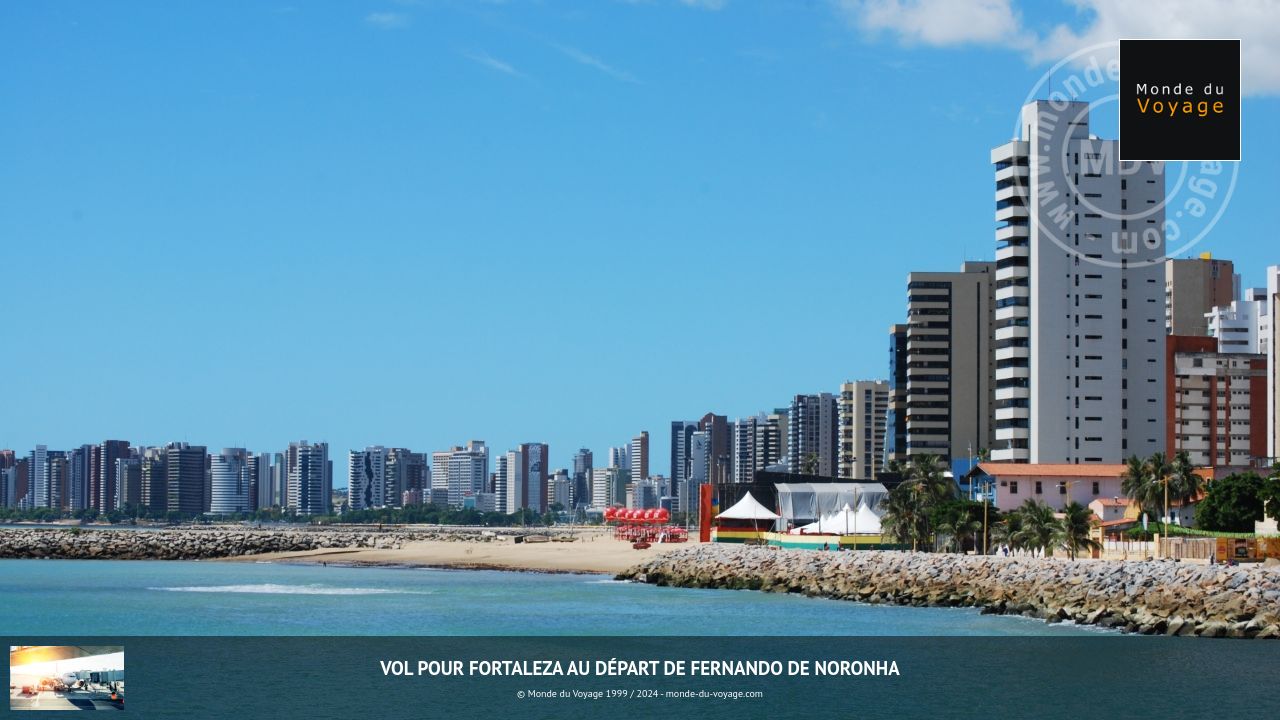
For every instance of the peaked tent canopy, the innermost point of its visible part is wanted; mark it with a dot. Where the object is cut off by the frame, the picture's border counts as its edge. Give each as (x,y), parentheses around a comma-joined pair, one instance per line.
(748,508)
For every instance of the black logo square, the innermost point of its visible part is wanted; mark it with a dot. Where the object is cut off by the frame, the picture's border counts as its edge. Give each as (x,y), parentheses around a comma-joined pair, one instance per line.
(1179,100)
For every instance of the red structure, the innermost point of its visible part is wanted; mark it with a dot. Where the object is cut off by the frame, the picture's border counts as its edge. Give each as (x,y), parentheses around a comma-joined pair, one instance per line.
(648,526)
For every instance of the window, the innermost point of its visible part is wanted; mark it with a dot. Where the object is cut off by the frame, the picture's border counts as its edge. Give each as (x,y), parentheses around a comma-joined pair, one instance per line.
(1013,487)
(1095,487)
(1039,488)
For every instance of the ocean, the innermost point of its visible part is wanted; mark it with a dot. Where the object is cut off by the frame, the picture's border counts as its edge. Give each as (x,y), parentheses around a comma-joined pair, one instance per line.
(168,598)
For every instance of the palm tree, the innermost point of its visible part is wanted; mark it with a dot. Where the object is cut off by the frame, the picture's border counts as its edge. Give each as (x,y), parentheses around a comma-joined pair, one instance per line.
(961,526)
(1039,526)
(1182,482)
(1143,482)
(1008,531)
(1074,528)
(900,518)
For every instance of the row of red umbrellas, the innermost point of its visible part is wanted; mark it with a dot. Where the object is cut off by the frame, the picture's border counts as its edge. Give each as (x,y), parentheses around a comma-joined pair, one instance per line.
(636,516)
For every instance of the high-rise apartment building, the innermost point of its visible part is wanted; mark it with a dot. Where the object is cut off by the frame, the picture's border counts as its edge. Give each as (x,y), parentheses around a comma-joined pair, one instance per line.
(1244,326)
(1079,294)
(129,483)
(864,406)
(757,444)
(230,479)
(581,477)
(681,448)
(1216,401)
(8,478)
(186,473)
(639,456)
(367,478)
(406,471)
(80,474)
(950,364)
(309,478)
(1193,287)
(895,423)
(813,426)
(460,472)
(41,484)
(604,483)
(719,447)
(108,496)
(155,480)
(526,478)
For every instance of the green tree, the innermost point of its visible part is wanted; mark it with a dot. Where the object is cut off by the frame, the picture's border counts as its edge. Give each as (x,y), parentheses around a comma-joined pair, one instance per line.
(1074,529)
(1233,503)
(1039,527)
(961,521)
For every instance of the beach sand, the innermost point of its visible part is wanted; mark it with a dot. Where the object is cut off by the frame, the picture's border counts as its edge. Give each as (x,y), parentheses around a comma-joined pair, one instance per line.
(592,552)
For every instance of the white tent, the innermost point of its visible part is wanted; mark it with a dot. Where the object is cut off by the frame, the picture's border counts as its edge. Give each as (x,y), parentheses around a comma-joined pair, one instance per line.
(867,520)
(748,508)
(802,502)
(845,522)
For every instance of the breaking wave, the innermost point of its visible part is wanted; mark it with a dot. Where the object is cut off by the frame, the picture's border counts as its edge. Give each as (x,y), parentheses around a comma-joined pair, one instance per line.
(276,589)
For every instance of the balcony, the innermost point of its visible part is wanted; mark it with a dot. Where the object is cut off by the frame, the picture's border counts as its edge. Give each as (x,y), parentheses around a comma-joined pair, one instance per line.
(1014,173)
(1012,212)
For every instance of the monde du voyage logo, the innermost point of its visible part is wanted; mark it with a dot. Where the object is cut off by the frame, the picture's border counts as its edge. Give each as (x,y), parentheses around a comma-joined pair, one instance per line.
(1180,100)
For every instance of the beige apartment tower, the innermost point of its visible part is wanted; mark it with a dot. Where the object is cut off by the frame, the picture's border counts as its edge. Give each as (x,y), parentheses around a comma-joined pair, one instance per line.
(1192,288)
(863,405)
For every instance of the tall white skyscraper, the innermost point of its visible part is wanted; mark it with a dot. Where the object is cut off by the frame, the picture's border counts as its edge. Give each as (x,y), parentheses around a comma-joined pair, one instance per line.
(230,480)
(1079,294)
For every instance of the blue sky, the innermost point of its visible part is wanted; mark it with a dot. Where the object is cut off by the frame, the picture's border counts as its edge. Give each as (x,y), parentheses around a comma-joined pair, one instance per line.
(417,223)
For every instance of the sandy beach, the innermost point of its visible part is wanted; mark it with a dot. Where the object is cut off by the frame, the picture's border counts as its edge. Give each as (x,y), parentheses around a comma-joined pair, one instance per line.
(592,552)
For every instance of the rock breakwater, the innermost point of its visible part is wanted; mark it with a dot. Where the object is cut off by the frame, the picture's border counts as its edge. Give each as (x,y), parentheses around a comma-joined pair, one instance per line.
(197,543)
(1150,597)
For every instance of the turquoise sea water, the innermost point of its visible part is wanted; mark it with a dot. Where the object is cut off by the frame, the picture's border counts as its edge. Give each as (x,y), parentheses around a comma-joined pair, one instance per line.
(84,597)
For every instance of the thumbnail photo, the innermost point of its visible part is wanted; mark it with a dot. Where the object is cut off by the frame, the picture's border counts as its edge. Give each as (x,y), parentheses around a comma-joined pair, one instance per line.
(66,677)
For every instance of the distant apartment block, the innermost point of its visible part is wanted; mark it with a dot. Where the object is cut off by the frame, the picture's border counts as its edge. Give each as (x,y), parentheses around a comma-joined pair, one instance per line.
(863,408)
(460,472)
(639,456)
(231,481)
(310,478)
(813,435)
(1243,326)
(1193,287)
(1216,401)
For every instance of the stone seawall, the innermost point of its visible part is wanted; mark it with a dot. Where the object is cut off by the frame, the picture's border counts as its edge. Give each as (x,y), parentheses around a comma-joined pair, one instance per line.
(1151,597)
(196,543)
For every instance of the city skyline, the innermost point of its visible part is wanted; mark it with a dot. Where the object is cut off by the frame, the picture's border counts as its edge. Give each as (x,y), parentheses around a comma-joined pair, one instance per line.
(130,269)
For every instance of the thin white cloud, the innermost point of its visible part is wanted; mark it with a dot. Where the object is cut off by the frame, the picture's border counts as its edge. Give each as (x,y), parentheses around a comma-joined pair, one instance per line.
(705,4)
(946,23)
(592,61)
(387,20)
(936,22)
(493,63)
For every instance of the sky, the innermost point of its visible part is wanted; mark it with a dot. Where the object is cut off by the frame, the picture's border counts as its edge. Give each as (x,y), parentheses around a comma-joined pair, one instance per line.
(416,223)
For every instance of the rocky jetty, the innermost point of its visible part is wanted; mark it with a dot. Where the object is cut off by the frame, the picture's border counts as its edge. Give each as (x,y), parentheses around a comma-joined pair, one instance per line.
(1150,597)
(191,543)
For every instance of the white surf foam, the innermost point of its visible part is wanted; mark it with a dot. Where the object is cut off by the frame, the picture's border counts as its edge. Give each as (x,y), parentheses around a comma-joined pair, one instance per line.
(277,589)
